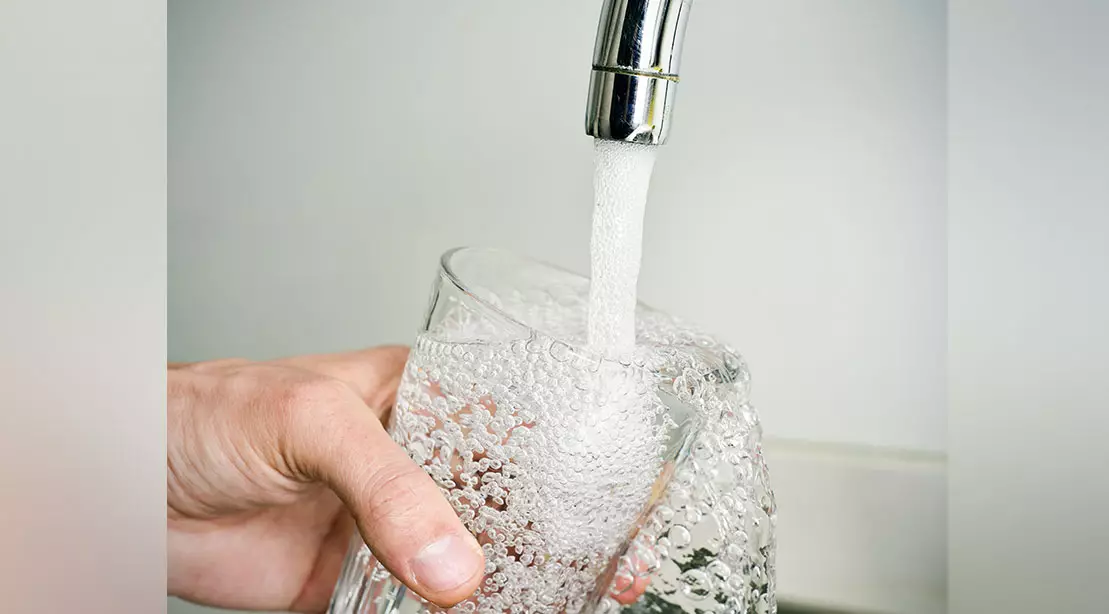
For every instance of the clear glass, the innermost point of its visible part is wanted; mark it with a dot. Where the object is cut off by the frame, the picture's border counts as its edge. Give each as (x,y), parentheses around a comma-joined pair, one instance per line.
(593,483)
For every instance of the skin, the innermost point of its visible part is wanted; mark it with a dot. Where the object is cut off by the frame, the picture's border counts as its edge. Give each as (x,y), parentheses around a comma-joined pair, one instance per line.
(273,465)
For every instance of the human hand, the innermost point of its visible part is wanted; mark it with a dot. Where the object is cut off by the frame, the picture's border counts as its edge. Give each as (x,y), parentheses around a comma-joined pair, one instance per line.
(264,461)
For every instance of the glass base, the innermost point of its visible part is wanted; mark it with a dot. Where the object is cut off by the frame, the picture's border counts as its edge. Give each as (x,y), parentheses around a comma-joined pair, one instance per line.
(365,588)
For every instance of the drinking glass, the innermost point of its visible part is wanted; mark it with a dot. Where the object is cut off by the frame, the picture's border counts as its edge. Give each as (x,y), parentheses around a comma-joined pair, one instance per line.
(594,481)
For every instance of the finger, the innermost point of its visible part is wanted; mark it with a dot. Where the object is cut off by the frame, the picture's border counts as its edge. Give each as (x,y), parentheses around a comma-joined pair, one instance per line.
(329,563)
(407,523)
(208,366)
(627,590)
(373,373)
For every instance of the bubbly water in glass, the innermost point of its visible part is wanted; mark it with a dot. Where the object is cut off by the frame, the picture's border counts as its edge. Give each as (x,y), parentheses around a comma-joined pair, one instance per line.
(587,441)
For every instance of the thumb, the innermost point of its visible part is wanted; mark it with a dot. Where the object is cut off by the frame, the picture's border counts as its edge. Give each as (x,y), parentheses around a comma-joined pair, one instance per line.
(404,519)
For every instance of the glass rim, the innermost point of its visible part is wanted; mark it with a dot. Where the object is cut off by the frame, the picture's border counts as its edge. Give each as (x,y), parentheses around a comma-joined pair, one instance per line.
(447,270)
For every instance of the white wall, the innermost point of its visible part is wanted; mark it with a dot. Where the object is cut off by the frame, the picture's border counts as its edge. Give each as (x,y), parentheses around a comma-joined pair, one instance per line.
(1029,332)
(322,155)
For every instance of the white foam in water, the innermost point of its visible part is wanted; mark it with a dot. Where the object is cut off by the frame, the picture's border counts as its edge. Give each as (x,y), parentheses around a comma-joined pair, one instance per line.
(621,180)
(511,432)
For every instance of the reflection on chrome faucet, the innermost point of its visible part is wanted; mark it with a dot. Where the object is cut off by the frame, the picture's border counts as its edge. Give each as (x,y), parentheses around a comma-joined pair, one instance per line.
(635,70)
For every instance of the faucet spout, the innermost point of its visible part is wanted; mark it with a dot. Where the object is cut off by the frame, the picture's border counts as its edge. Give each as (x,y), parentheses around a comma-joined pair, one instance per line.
(635,70)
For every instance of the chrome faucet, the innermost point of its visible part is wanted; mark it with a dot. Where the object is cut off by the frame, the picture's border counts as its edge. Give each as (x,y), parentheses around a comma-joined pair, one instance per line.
(635,70)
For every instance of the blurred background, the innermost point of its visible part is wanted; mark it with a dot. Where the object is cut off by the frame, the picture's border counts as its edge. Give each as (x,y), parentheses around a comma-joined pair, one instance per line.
(798,211)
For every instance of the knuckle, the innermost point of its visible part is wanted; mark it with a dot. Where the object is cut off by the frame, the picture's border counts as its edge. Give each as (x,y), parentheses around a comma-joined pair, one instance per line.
(316,393)
(306,416)
(394,494)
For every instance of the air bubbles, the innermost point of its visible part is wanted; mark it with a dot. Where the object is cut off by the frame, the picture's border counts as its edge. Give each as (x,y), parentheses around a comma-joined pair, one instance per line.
(561,452)
(719,570)
(680,537)
(695,585)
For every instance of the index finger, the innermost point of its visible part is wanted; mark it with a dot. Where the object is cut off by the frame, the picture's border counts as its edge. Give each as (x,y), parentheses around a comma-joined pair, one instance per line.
(373,373)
